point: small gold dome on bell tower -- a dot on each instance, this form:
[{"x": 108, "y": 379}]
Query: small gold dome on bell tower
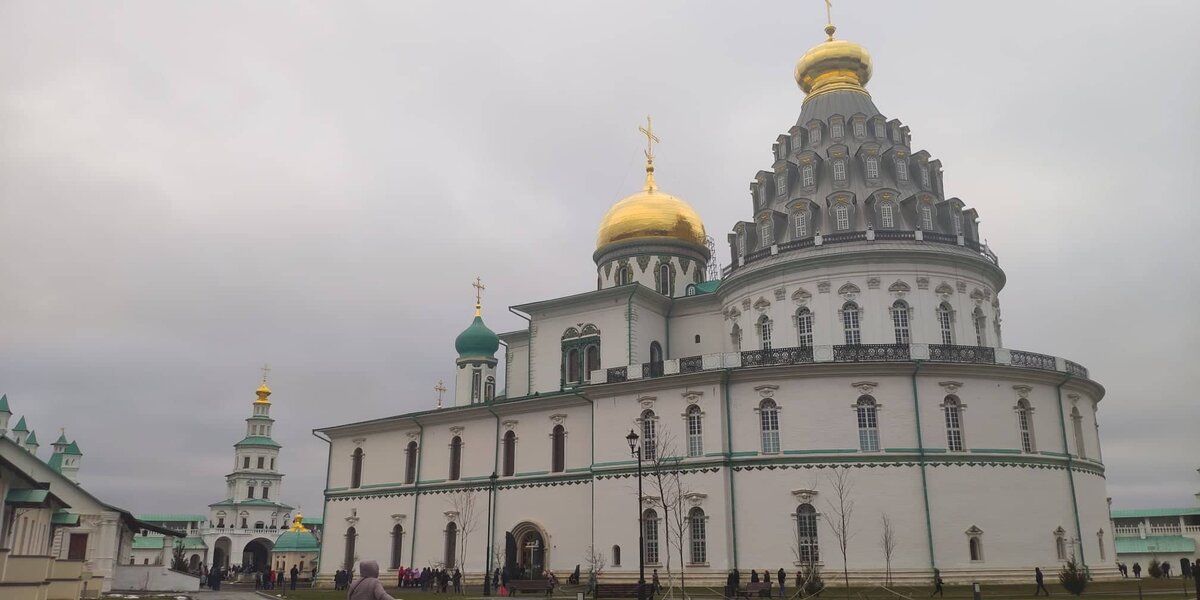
[{"x": 834, "y": 65}]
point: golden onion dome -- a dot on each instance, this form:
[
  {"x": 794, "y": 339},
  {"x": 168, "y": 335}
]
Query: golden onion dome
[
  {"x": 650, "y": 214},
  {"x": 834, "y": 65}
]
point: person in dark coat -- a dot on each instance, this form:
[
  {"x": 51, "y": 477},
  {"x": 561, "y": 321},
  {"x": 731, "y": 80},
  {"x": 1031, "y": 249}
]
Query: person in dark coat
[
  {"x": 457, "y": 579},
  {"x": 781, "y": 577},
  {"x": 1196, "y": 577},
  {"x": 1041, "y": 582},
  {"x": 214, "y": 580},
  {"x": 767, "y": 580},
  {"x": 295, "y": 573},
  {"x": 753, "y": 576},
  {"x": 496, "y": 579},
  {"x": 937, "y": 585},
  {"x": 1137, "y": 570},
  {"x": 731, "y": 584}
]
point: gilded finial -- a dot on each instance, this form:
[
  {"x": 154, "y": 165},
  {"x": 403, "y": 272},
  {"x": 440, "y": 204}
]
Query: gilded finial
[
  {"x": 263, "y": 391},
  {"x": 829, "y": 27},
  {"x": 298, "y": 524},
  {"x": 440, "y": 388},
  {"x": 651, "y": 139},
  {"x": 479, "y": 287}
]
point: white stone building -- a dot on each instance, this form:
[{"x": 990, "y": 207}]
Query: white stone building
[
  {"x": 1163, "y": 534},
  {"x": 858, "y": 326}
]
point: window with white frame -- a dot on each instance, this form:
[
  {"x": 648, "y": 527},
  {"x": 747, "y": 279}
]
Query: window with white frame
[
  {"x": 814, "y": 135},
  {"x": 699, "y": 543},
  {"x": 839, "y": 170},
  {"x": 887, "y": 215},
  {"x": 841, "y": 216},
  {"x": 806, "y": 534},
  {"x": 837, "y": 129},
  {"x": 926, "y": 217},
  {"x": 741, "y": 244},
  {"x": 860, "y": 128},
  {"x": 975, "y": 547},
  {"x": 695, "y": 431},
  {"x": 664, "y": 279},
  {"x": 1060, "y": 544},
  {"x": 901, "y": 169},
  {"x": 900, "y": 322},
  {"x": 945, "y": 317},
  {"x": 872, "y": 163},
  {"x": 957, "y": 220},
  {"x": 880, "y": 129},
  {"x": 924, "y": 171},
  {"x": 807, "y": 175},
  {"x": 868, "y": 424},
  {"x": 801, "y": 220},
  {"x": 650, "y": 535},
  {"x": 850, "y": 324},
  {"x": 804, "y": 327},
  {"x": 766, "y": 236},
  {"x": 1025, "y": 425},
  {"x": 735, "y": 337},
  {"x": 764, "y": 332},
  {"x": 897, "y": 135},
  {"x": 980, "y": 327},
  {"x": 1077, "y": 422},
  {"x": 624, "y": 276},
  {"x": 781, "y": 184},
  {"x": 952, "y": 409},
  {"x": 649, "y": 434},
  {"x": 768, "y": 414}
]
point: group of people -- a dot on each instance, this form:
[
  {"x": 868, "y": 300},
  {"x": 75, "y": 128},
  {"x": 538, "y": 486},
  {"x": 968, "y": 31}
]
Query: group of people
[
  {"x": 438, "y": 580},
  {"x": 734, "y": 581},
  {"x": 269, "y": 580},
  {"x": 1186, "y": 569}
]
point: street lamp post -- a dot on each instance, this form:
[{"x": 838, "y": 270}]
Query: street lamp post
[{"x": 636, "y": 451}]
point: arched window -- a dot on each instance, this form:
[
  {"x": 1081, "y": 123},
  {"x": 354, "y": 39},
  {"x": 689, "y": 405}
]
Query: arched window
[
  {"x": 901, "y": 169},
  {"x": 397, "y": 544},
  {"x": 616, "y": 556},
  {"x": 476, "y": 385},
  {"x": 356, "y": 466},
  {"x": 664, "y": 280},
  {"x": 649, "y": 434},
  {"x": 887, "y": 215},
  {"x": 764, "y": 332},
  {"x": 841, "y": 215},
  {"x": 980, "y": 327},
  {"x": 872, "y": 164},
  {"x": 510, "y": 453},
  {"x": 801, "y": 223},
  {"x": 656, "y": 359},
  {"x": 735, "y": 337},
  {"x": 489, "y": 389},
  {"x": 868, "y": 424},
  {"x": 807, "y": 178},
  {"x": 624, "y": 276},
  {"x": 1060, "y": 545},
  {"x": 650, "y": 535},
  {"x": 768, "y": 413},
  {"x": 926, "y": 217},
  {"x": 806, "y": 534},
  {"x": 804, "y": 327},
  {"x": 860, "y": 128},
  {"x": 900, "y": 322},
  {"x": 696, "y": 527},
  {"x": 593, "y": 361},
  {"x": 348, "y": 559},
  {"x": 954, "y": 433},
  {"x": 945, "y": 318},
  {"x": 695, "y": 431},
  {"x": 451, "y": 545},
  {"x": 455, "y": 458},
  {"x": 1077, "y": 422},
  {"x": 1025, "y": 425},
  {"x": 976, "y": 548},
  {"x": 558, "y": 449},
  {"x": 850, "y": 324},
  {"x": 410, "y": 463},
  {"x": 572, "y": 365},
  {"x": 839, "y": 170}
]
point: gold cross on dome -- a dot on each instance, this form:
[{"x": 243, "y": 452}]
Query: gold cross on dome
[
  {"x": 651, "y": 139},
  {"x": 266, "y": 369},
  {"x": 829, "y": 12},
  {"x": 479, "y": 287},
  {"x": 439, "y": 388}
]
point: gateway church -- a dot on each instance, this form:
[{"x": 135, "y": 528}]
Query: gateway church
[{"x": 854, "y": 340}]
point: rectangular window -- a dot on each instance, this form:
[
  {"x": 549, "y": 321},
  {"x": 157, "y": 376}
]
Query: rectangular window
[
  {"x": 860, "y": 129},
  {"x": 926, "y": 217},
  {"x": 924, "y": 170},
  {"x": 801, "y": 224},
  {"x": 842, "y": 213},
  {"x": 741, "y": 244},
  {"x": 246, "y": 462},
  {"x": 814, "y": 135},
  {"x": 868, "y": 429},
  {"x": 880, "y": 130},
  {"x": 953, "y": 429},
  {"x": 957, "y": 219},
  {"x": 261, "y": 461},
  {"x": 900, "y": 324},
  {"x": 945, "y": 324},
  {"x": 1026, "y": 434},
  {"x": 886, "y": 216},
  {"x": 781, "y": 184},
  {"x": 839, "y": 170},
  {"x": 806, "y": 176},
  {"x": 695, "y": 434},
  {"x": 699, "y": 552},
  {"x": 476, "y": 385},
  {"x": 766, "y": 235},
  {"x": 770, "y": 431},
  {"x": 872, "y": 167},
  {"x": 836, "y": 130},
  {"x": 901, "y": 169},
  {"x": 897, "y": 136},
  {"x": 804, "y": 327},
  {"x": 764, "y": 330},
  {"x": 266, "y": 493},
  {"x": 850, "y": 325},
  {"x": 650, "y": 532},
  {"x": 250, "y": 492}
]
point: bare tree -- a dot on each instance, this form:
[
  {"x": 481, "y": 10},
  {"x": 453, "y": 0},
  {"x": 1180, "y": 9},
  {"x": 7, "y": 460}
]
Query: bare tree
[
  {"x": 667, "y": 489},
  {"x": 596, "y": 561},
  {"x": 841, "y": 509},
  {"x": 887, "y": 542},
  {"x": 463, "y": 503}
]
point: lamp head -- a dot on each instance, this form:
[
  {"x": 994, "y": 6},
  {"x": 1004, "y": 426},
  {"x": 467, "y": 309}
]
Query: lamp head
[{"x": 632, "y": 438}]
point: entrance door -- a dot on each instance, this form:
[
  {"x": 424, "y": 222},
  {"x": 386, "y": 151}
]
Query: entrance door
[{"x": 77, "y": 547}]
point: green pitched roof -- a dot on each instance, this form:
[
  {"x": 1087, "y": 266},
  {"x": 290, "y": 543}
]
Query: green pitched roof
[
  {"x": 4, "y": 404},
  {"x": 31, "y": 440},
  {"x": 258, "y": 440},
  {"x": 155, "y": 542},
  {"x": 73, "y": 449},
  {"x": 312, "y": 520},
  {"x": 296, "y": 541},
  {"x": 707, "y": 287},
  {"x": 1155, "y": 512},
  {"x": 21, "y": 425},
  {"x": 55, "y": 462},
  {"x": 26, "y": 496},
  {"x": 62, "y": 517},
  {"x": 254, "y": 502},
  {"x": 172, "y": 518},
  {"x": 477, "y": 340},
  {"x": 62, "y": 439},
  {"x": 1155, "y": 543}
]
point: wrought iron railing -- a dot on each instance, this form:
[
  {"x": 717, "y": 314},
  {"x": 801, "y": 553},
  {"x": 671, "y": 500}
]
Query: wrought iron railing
[
  {"x": 870, "y": 352},
  {"x": 888, "y": 234},
  {"x": 691, "y": 364},
  {"x": 851, "y": 236},
  {"x": 1076, "y": 369},
  {"x": 618, "y": 374},
  {"x": 652, "y": 369},
  {"x": 1032, "y": 360},
  {"x": 962, "y": 354},
  {"x": 942, "y": 238},
  {"x": 777, "y": 356}
]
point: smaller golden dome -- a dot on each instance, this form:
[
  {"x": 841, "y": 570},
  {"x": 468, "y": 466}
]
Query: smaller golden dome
[
  {"x": 834, "y": 65},
  {"x": 263, "y": 391},
  {"x": 650, "y": 214}
]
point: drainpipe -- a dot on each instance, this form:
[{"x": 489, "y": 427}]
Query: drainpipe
[
  {"x": 629, "y": 323},
  {"x": 328, "y": 469},
  {"x": 528, "y": 355},
  {"x": 921, "y": 461},
  {"x": 667, "y": 341},
  {"x": 412, "y": 542},
  {"x": 492, "y": 501},
  {"x": 591, "y": 462},
  {"x": 1062, "y": 422},
  {"x": 729, "y": 466}
]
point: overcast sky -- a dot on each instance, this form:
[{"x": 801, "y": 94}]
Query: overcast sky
[{"x": 189, "y": 190}]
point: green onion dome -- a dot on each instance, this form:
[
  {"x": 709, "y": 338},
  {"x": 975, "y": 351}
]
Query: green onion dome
[
  {"x": 477, "y": 340},
  {"x": 297, "y": 541}
]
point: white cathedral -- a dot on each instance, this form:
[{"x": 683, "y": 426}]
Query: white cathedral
[{"x": 855, "y": 336}]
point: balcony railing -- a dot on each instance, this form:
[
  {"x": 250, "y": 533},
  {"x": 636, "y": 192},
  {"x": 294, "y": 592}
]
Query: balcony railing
[
  {"x": 1127, "y": 531},
  {"x": 777, "y": 356},
  {"x": 962, "y": 354},
  {"x": 1033, "y": 360},
  {"x": 691, "y": 364},
  {"x": 1076, "y": 369},
  {"x": 618, "y": 374},
  {"x": 870, "y": 353}
]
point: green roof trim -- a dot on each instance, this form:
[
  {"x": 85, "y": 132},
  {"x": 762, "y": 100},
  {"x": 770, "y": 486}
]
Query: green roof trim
[
  {"x": 1155, "y": 544},
  {"x": 73, "y": 449},
  {"x": 258, "y": 440},
  {"x": 296, "y": 541},
  {"x": 1155, "y": 512},
  {"x": 254, "y": 502},
  {"x": 62, "y": 439},
  {"x": 4, "y": 404},
  {"x": 477, "y": 340},
  {"x": 21, "y": 425},
  {"x": 26, "y": 496},
  {"x": 63, "y": 517},
  {"x": 31, "y": 440},
  {"x": 172, "y": 518},
  {"x": 155, "y": 542},
  {"x": 313, "y": 520},
  {"x": 707, "y": 287}
]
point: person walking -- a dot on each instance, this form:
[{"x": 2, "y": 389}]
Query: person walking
[
  {"x": 767, "y": 580},
  {"x": 551, "y": 580},
  {"x": 655, "y": 586},
  {"x": 295, "y": 573},
  {"x": 457, "y": 579},
  {"x": 1137, "y": 570},
  {"x": 1166, "y": 569},
  {"x": 937, "y": 585},
  {"x": 214, "y": 580},
  {"x": 1196, "y": 577},
  {"x": 1041, "y": 582},
  {"x": 368, "y": 587}
]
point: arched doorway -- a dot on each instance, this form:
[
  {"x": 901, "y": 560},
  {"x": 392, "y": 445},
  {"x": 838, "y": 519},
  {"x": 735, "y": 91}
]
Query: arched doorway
[
  {"x": 256, "y": 556},
  {"x": 532, "y": 557},
  {"x": 194, "y": 563},
  {"x": 221, "y": 551}
]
